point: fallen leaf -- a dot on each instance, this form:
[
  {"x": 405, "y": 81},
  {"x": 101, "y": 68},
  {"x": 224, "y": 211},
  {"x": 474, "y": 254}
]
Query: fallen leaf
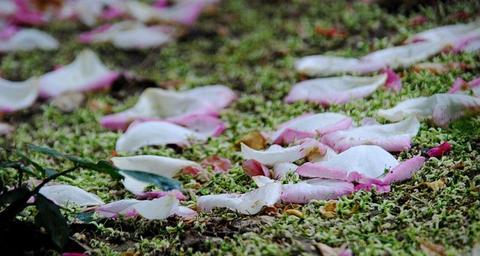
[
  {"x": 294, "y": 212},
  {"x": 436, "y": 185},
  {"x": 430, "y": 248},
  {"x": 329, "y": 210},
  {"x": 254, "y": 140},
  {"x": 219, "y": 164},
  {"x": 330, "y": 32}
]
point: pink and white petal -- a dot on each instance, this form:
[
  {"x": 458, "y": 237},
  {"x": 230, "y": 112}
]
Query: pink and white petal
[
  {"x": 27, "y": 40},
  {"x": 457, "y": 85},
  {"x": 315, "y": 189},
  {"x": 206, "y": 125},
  {"x": 184, "y": 212},
  {"x": 335, "y": 90},
  {"x": 261, "y": 180},
  {"x": 155, "y": 133},
  {"x": 321, "y": 65},
  {"x": 116, "y": 208},
  {"x": 5, "y": 128},
  {"x": 359, "y": 163},
  {"x": 394, "y": 82},
  {"x": 157, "y": 194},
  {"x": 447, "y": 33},
  {"x": 219, "y": 164},
  {"x": 404, "y": 170},
  {"x": 274, "y": 154},
  {"x": 308, "y": 125},
  {"x": 392, "y": 137},
  {"x": 440, "y": 150},
  {"x": 254, "y": 168},
  {"x": 85, "y": 73},
  {"x": 17, "y": 95},
  {"x": 249, "y": 203},
  {"x": 280, "y": 170},
  {"x": 219, "y": 96},
  {"x": 65, "y": 195},
  {"x": 157, "y": 209}
]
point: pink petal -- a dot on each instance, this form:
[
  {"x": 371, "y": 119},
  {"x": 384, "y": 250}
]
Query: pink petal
[
  {"x": 404, "y": 170},
  {"x": 5, "y": 128},
  {"x": 89, "y": 36},
  {"x": 254, "y": 168},
  {"x": 219, "y": 164},
  {"x": 157, "y": 194},
  {"x": 111, "y": 13},
  {"x": 8, "y": 32},
  {"x": 25, "y": 15},
  {"x": 393, "y": 80},
  {"x": 202, "y": 124},
  {"x": 440, "y": 150},
  {"x": 457, "y": 85},
  {"x": 315, "y": 189}
]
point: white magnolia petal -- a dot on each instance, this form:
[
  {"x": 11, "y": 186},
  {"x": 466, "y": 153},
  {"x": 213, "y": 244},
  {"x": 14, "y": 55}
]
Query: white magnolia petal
[
  {"x": 441, "y": 108},
  {"x": 249, "y": 203},
  {"x": 309, "y": 125},
  {"x": 315, "y": 189},
  {"x": 85, "y": 73},
  {"x": 392, "y": 137},
  {"x": 5, "y": 128},
  {"x": 17, "y": 95},
  {"x": 184, "y": 12},
  {"x": 65, "y": 195},
  {"x": 320, "y": 65},
  {"x": 448, "y": 34},
  {"x": 115, "y": 208},
  {"x": 130, "y": 35},
  {"x": 155, "y": 133},
  {"x": 261, "y": 180},
  {"x": 274, "y": 154},
  {"x": 335, "y": 90},
  {"x": 157, "y": 209},
  {"x": 366, "y": 161},
  {"x": 28, "y": 39},
  {"x": 135, "y": 186},
  {"x": 280, "y": 170},
  {"x": 404, "y": 55}
]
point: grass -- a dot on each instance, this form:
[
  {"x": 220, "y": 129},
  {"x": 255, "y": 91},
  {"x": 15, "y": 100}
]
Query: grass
[{"x": 251, "y": 46}]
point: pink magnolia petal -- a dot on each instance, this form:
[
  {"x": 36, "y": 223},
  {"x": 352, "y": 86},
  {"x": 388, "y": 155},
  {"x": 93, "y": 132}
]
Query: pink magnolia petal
[
  {"x": 17, "y": 95},
  {"x": 448, "y": 33},
  {"x": 315, "y": 189},
  {"x": 404, "y": 170},
  {"x": 274, "y": 154},
  {"x": 157, "y": 194},
  {"x": 112, "y": 12},
  {"x": 8, "y": 31},
  {"x": 185, "y": 212},
  {"x": 219, "y": 164},
  {"x": 394, "y": 81},
  {"x": 89, "y": 36},
  {"x": 202, "y": 124},
  {"x": 457, "y": 85},
  {"x": 25, "y": 15},
  {"x": 254, "y": 168},
  {"x": 440, "y": 150}
]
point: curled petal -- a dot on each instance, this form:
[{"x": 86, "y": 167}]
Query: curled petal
[
  {"x": 130, "y": 35},
  {"x": 274, "y": 154},
  {"x": 457, "y": 85},
  {"x": 202, "y": 124},
  {"x": 254, "y": 168},
  {"x": 360, "y": 163},
  {"x": 280, "y": 170},
  {"x": 392, "y": 137},
  {"x": 440, "y": 150},
  {"x": 64, "y": 195},
  {"x": 156, "y": 209},
  {"x": 441, "y": 108},
  {"x": 394, "y": 82},
  {"x": 249, "y": 203},
  {"x": 155, "y": 133},
  {"x": 17, "y": 95},
  {"x": 85, "y": 73},
  {"x": 174, "y": 106},
  {"x": 261, "y": 180},
  {"x": 157, "y": 194},
  {"x": 27, "y": 40},
  {"x": 315, "y": 189},
  {"x": 308, "y": 125},
  {"x": 335, "y": 90},
  {"x": 185, "y": 212},
  {"x": 404, "y": 171}
]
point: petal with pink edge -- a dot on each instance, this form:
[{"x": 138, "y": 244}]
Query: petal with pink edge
[
  {"x": 249, "y": 203},
  {"x": 151, "y": 133},
  {"x": 203, "y": 124},
  {"x": 253, "y": 168},
  {"x": 394, "y": 82},
  {"x": 27, "y": 40},
  {"x": 448, "y": 33},
  {"x": 85, "y": 73},
  {"x": 315, "y": 189},
  {"x": 360, "y": 163},
  {"x": 130, "y": 35},
  {"x": 404, "y": 170},
  {"x": 280, "y": 170},
  {"x": 65, "y": 195},
  {"x": 274, "y": 154},
  {"x": 308, "y": 125},
  {"x": 156, "y": 209},
  {"x": 335, "y": 90},
  {"x": 441, "y": 108},
  {"x": 392, "y": 137},
  {"x": 17, "y": 95},
  {"x": 321, "y": 65},
  {"x": 171, "y": 105}
]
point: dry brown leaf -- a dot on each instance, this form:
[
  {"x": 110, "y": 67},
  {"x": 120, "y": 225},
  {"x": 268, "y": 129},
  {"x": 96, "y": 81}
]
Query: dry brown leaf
[
  {"x": 326, "y": 250},
  {"x": 294, "y": 212},
  {"x": 254, "y": 140},
  {"x": 329, "y": 210},
  {"x": 436, "y": 185},
  {"x": 430, "y": 248}
]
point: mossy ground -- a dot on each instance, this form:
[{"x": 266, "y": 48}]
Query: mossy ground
[{"x": 251, "y": 46}]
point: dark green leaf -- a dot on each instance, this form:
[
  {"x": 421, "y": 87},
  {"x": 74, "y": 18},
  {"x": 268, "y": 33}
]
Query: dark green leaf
[
  {"x": 50, "y": 217},
  {"x": 13, "y": 195},
  {"x": 33, "y": 163},
  {"x": 157, "y": 180},
  {"x": 86, "y": 217}
]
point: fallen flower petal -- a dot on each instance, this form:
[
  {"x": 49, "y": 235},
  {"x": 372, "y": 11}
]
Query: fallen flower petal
[
  {"x": 27, "y": 40},
  {"x": 17, "y": 95},
  {"x": 5, "y": 128},
  {"x": 309, "y": 125},
  {"x": 157, "y": 194},
  {"x": 315, "y": 189},
  {"x": 274, "y": 154},
  {"x": 155, "y": 133},
  {"x": 249, "y": 203},
  {"x": 440, "y": 150},
  {"x": 457, "y": 85},
  {"x": 85, "y": 73},
  {"x": 335, "y": 90},
  {"x": 320, "y": 65},
  {"x": 255, "y": 140},
  {"x": 404, "y": 170},
  {"x": 64, "y": 195},
  {"x": 219, "y": 164},
  {"x": 202, "y": 124},
  {"x": 442, "y": 108},
  {"x": 394, "y": 82},
  {"x": 448, "y": 33},
  {"x": 280, "y": 170},
  {"x": 253, "y": 168},
  {"x": 392, "y": 137}
]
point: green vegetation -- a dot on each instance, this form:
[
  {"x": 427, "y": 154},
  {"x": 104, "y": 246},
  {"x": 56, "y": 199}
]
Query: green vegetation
[{"x": 251, "y": 47}]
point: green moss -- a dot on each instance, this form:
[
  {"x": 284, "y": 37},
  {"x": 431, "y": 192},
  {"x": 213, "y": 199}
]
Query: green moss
[{"x": 251, "y": 47}]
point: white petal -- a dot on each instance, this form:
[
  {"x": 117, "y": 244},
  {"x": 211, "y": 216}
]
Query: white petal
[
  {"x": 448, "y": 33},
  {"x": 274, "y": 154},
  {"x": 261, "y": 180},
  {"x": 320, "y": 65},
  {"x": 5, "y": 128},
  {"x": 157, "y": 209},
  {"x": 155, "y": 133},
  {"x": 17, "y": 95},
  {"x": 441, "y": 108},
  {"x": 335, "y": 90},
  {"x": 392, "y": 137},
  {"x": 65, "y": 195},
  {"x": 280, "y": 170},
  {"x": 184, "y": 12},
  {"x": 315, "y": 189},
  {"x": 28, "y": 39},
  {"x": 85, "y": 73},
  {"x": 249, "y": 203}
]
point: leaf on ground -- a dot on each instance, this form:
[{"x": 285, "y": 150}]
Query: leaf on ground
[
  {"x": 162, "y": 182},
  {"x": 329, "y": 210},
  {"x": 50, "y": 217},
  {"x": 436, "y": 185},
  {"x": 254, "y": 140}
]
